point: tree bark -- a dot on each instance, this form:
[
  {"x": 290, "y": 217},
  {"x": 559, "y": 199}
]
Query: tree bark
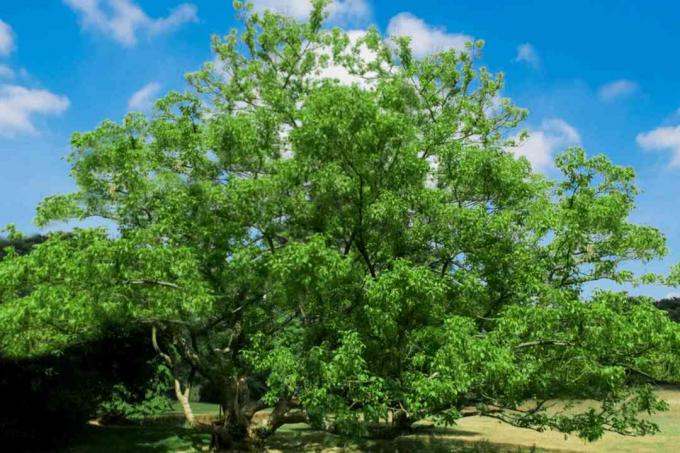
[
  {"x": 183, "y": 398},
  {"x": 280, "y": 416},
  {"x": 181, "y": 395},
  {"x": 401, "y": 420},
  {"x": 246, "y": 430}
]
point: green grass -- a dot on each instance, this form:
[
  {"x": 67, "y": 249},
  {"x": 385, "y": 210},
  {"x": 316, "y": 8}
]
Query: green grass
[
  {"x": 151, "y": 438},
  {"x": 473, "y": 434},
  {"x": 198, "y": 408},
  {"x": 298, "y": 438},
  {"x": 667, "y": 441}
]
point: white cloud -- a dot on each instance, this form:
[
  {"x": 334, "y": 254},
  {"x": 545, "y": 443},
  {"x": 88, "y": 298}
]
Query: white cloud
[
  {"x": 6, "y": 39},
  {"x": 527, "y": 53},
  {"x": 180, "y": 15},
  {"x": 662, "y": 138},
  {"x": 543, "y": 143},
  {"x": 341, "y": 73},
  {"x": 617, "y": 89},
  {"x": 6, "y": 72},
  {"x": 340, "y": 11},
  {"x": 349, "y": 11},
  {"x": 123, "y": 19},
  {"x": 425, "y": 39},
  {"x": 143, "y": 98},
  {"x": 18, "y": 105},
  {"x": 672, "y": 295}
]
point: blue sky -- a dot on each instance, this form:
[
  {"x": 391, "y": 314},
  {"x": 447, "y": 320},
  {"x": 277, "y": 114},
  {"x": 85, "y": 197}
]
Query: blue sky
[{"x": 602, "y": 74}]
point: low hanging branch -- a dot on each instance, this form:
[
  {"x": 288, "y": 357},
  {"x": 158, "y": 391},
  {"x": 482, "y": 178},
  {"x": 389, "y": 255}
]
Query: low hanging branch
[{"x": 530, "y": 344}]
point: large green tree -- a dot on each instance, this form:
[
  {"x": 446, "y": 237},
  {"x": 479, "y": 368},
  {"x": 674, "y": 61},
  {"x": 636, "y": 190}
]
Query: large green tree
[{"x": 329, "y": 226}]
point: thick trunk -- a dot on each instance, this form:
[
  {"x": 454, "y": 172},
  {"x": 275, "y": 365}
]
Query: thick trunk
[
  {"x": 235, "y": 437},
  {"x": 248, "y": 429},
  {"x": 401, "y": 421},
  {"x": 234, "y": 434},
  {"x": 280, "y": 416},
  {"x": 231, "y": 433},
  {"x": 230, "y": 438}
]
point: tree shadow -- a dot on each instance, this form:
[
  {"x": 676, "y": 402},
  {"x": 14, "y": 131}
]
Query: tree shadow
[
  {"x": 164, "y": 438},
  {"x": 295, "y": 438},
  {"x": 138, "y": 438}
]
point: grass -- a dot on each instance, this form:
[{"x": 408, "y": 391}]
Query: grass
[
  {"x": 198, "y": 408},
  {"x": 297, "y": 438},
  {"x": 472, "y": 434},
  {"x": 668, "y": 440},
  {"x": 152, "y": 438}
]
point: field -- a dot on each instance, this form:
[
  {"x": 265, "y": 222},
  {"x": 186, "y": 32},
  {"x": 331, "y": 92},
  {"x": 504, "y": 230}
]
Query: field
[{"x": 473, "y": 434}]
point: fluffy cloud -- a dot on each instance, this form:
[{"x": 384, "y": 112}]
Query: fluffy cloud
[
  {"x": 617, "y": 89},
  {"x": 123, "y": 19},
  {"x": 143, "y": 98},
  {"x": 340, "y": 11},
  {"x": 18, "y": 105},
  {"x": 665, "y": 138},
  {"x": 527, "y": 53},
  {"x": 425, "y": 39},
  {"x": 6, "y": 39},
  {"x": 339, "y": 72},
  {"x": 543, "y": 143},
  {"x": 6, "y": 72}
]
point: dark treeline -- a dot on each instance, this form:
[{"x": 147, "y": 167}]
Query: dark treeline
[
  {"x": 22, "y": 245},
  {"x": 672, "y": 306}
]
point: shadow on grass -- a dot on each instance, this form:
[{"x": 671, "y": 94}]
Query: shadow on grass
[
  {"x": 298, "y": 438},
  {"x": 139, "y": 438},
  {"x": 290, "y": 438}
]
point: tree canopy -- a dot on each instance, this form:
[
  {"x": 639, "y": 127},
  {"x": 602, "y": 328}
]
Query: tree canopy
[{"x": 327, "y": 225}]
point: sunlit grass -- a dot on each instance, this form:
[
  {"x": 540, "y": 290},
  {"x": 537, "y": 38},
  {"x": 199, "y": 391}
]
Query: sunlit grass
[{"x": 473, "y": 434}]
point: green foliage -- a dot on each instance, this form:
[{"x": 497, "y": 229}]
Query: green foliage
[
  {"x": 363, "y": 249},
  {"x": 150, "y": 400}
]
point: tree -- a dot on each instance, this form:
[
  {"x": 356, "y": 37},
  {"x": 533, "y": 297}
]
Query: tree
[
  {"x": 326, "y": 225},
  {"x": 671, "y": 305}
]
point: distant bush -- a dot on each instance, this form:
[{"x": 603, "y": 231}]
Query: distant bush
[{"x": 147, "y": 399}]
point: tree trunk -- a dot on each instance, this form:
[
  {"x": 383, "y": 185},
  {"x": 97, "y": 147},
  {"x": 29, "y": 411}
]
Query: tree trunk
[
  {"x": 248, "y": 428},
  {"x": 183, "y": 398},
  {"x": 401, "y": 421},
  {"x": 281, "y": 415},
  {"x": 231, "y": 433}
]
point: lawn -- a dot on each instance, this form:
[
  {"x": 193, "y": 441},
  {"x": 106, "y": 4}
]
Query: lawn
[
  {"x": 473, "y": 434},
  {"x": 668, "y": 440}
]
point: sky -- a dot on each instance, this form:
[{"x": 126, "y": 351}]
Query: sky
[{"x": 600, "y": 74}]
